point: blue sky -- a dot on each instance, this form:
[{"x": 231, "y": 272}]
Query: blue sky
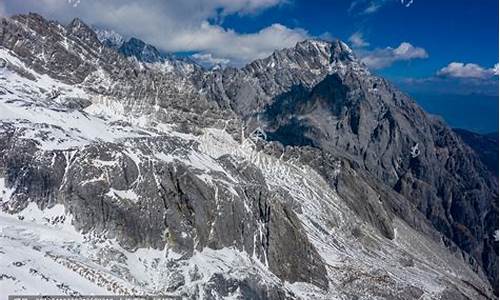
[{"x": 443, "y": 47}]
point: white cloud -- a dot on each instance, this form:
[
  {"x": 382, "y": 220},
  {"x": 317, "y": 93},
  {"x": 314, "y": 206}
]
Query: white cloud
[
  {"x": 382, "y": 58},
  {"x": 366, "y": 7},
  {"x": 467, "y": 70},
  {"x": 209, "y": 60},
  {"x": 363, "y": 7},
  {"x": 175, "y": 25},
  {"x": 372, "y": 7},
  {"x": 357, "y": 40},
  {"x": 226, "y": 43},
  {"x": 74, "y": 2},
  {"x": 407, "y": 3},
  {"x": 244, "y": 6},
  {"x": 327, "y": 36},
  {"x": 407, "y": 51}
]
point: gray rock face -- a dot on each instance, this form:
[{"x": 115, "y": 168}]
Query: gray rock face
[
  {"x": 78, "y": 57},
  {"x": 319, "y": 179},
  {"x": 256, "y": 85},
  {"x": 361, "y": 117},
  {"x": 140, "y": 50},
  {"x": 365, "y": 119},
  {"x": 184, "y": 213},
  {"x": 18, "y": 34}
]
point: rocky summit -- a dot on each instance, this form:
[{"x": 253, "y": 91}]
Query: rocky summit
[{"x": 298, "y": 176}]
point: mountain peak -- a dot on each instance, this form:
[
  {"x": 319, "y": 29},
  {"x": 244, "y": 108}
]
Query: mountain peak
[
  {"x": 77, "y": 25},
  {"x": 82, "y": 31},
  {"x": 325, "y": 53},
  {"x": 338, "y": 45},
  {"x": 76, "y": 22},
  {"x": 30, "y": 16},
  {"x": 316, "y": 56},
  {"x": 33, "y": 20},
  {"x": 140, "y": 50},
  {"x": 314, "y": 42},
  {"x": 109, "y": 38}
]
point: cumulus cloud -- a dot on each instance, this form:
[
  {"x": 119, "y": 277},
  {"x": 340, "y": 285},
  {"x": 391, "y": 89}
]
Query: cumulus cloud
[
  {"x": 175, "y": 25},
  {"x": 357, "y": 40},
  {"x": 467, "y": 70},
  {"x": 229, "y": 44},
  {"x": 382, "y": 58}
]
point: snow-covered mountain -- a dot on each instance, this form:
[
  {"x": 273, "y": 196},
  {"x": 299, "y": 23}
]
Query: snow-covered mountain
[
  {"x": 299, "y": 176},
  {"x": 108, "y": 37}
]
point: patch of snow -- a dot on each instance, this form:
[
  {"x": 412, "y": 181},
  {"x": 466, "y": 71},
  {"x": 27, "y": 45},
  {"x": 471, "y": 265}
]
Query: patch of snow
[
  {"x": 124, "y": 194},
  {"x": 415, "y": 151},
  {"x": 5, "y": 192}
]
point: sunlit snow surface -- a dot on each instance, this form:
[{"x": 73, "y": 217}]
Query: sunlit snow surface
[{"x": 41, "y": 252}]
